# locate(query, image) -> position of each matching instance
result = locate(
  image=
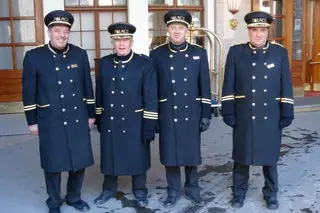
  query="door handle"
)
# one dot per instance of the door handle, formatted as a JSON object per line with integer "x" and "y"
{"x": 314, "y": 62}
{"x": 318, "y": 54}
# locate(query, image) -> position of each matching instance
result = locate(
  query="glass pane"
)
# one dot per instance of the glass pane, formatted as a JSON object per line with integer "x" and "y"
{"x": 86, "y": 2}
{"x": 196, "y": 18}
{"x": 6, "y": 58}
{"x": 76, "y": 23}
{"x": 20, "y": 51}
{"x": 23, "y": 7}
{"x": 75, "y": 38}
{"x": 87, "y": 21}
{"x": 105, "y": 20}
{"x": 91, "y": 56}
{"x": 278, "y": 28}
{"x": 156, "y": 20}
{"x": 105, "y": 2}
{"x": 24, "y": 31}
{"x": 88, "y": 40}
{"x": 189, "y": 2}
{"x": 4, "y": 8}
{"x": 112, "y": 2}
{"x": 5, "y": 32}
{"x": 71, "y": 2}
{"x": 105, "y": 40}
{"x": 119, "y": 2}
{"x": 265, "y": 6}
{"x": 277, "y": 7}
{"x": 297, "y": 30}
{"x": 120, "y": 17}
{"x": 160, "y": 2}
{"x": 105, "y": 52}
{"x": 157, "y": 29}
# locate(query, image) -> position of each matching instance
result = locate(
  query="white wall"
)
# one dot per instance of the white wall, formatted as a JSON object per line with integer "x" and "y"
{"x": 48, "y": 6}
{"x": 228, "y": 36}
{"x": 138, "y": 16}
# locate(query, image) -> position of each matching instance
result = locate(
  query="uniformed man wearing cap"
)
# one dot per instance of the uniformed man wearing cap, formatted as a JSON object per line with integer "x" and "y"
{"x": 257, "y": 102}
{"x": 184, "y": 106}
{"x": 59, "y": 105}
{"x": 126, "y": 108}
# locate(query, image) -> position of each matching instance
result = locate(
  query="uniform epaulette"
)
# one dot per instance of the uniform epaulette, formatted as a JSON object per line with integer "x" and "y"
{"x": 159, "y": 46}
{"x": 240, "y": 43}
{"x": 41, "y": 45}
{"x": 106, "y": 56}
{"x": 273, "y": 42}
{"x": 197, "y": 45}
{"x": 145, "y": 57}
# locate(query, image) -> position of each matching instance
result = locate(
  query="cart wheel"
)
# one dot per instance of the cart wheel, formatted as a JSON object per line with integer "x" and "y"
{"x": 216, "y": 112}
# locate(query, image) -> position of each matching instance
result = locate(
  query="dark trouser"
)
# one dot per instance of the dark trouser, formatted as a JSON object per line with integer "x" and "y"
{"x": 53, "y": 184}
{"x": 139, "y": 188}
{"x": 191, "y": 185}
{"x": 241, "y": 179}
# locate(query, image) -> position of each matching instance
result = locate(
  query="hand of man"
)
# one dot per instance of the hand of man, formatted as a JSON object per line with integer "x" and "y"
{"x": 158, "y": 128}
{"x": 149, "y": 137}
{"x": 230, "y": 120}
{"x": 91, "y": 122}
{"x": 34, "y": 129}
{"x": 204, "y": 124}
{"x": 284, "y": 122}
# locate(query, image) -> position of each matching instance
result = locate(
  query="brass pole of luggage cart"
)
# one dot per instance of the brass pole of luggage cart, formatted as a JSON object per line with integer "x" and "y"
{"x": 215, "y": 74}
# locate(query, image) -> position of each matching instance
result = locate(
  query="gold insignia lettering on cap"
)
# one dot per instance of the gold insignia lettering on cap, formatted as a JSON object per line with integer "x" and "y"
{"x": 64, "y": 19}
{"x": 177, "y": 18}
{"x": 121, "y": 31}
{"x": 259, "y": 20}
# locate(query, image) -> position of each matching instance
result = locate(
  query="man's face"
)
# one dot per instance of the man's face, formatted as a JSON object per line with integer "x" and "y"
{"x": 258, "y": 36}
{"x": 122, "y": 46}
{"x": 59, "y": 36}
{"x": 177, "y": 32}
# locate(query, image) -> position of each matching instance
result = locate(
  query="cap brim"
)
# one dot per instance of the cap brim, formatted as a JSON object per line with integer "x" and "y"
{"x": 177, "y": 21}
{"x": 59, "y": 22}
{"x": 258, "y": 25}
{"x": 118, "y": 36}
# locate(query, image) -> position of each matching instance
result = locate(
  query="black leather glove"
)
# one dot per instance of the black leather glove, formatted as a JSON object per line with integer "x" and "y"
{"x": 149, "y": 137}
{"x": 158, "y": 128}
{"x": 204, "y": 124}
{"x": 284, "y": 122}
{"x": 230, "y": 120}
{"x": 97, "y": 123}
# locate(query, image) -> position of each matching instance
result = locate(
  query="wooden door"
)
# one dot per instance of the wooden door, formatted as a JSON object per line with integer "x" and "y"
{"x": 21, "y": 29}
{"x": 313, "y": 64}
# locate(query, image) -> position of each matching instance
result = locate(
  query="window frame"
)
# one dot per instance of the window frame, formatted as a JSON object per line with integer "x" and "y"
{"x": 96, "y": 10}
{"x": 164, "y": 8}
{"x": 39, "y": 31}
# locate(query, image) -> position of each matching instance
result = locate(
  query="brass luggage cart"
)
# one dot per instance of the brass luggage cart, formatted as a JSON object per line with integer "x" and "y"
{"x": 215, "y": 63}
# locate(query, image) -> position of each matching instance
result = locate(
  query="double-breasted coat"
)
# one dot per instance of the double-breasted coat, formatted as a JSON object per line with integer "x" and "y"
{"x": 184, "y": 98}
{"x": 57, "y": 95}
{"x": 126, "y": 103}
{"x": 257, "y": 90}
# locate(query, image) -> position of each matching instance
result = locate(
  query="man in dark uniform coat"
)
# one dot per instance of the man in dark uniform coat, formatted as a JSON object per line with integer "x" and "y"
{"x": 59, "y": 105}
{"x": 257, "y": 103}
{"x": 126, "y": 108}
{"x": 184, "y": 106}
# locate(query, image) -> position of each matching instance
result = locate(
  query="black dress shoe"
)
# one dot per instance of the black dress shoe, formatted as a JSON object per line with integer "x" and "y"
{"x": 80, "y": 205}
{"x": 102, "y": 199}
{"x": 237, "y": 202}
{"x": 142, "y": 202}
{"x": 170, "y": 202}
{"x": 197, "y": 199}
{"x": 271, "y": 202}
{"x": 54, "y": 210}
